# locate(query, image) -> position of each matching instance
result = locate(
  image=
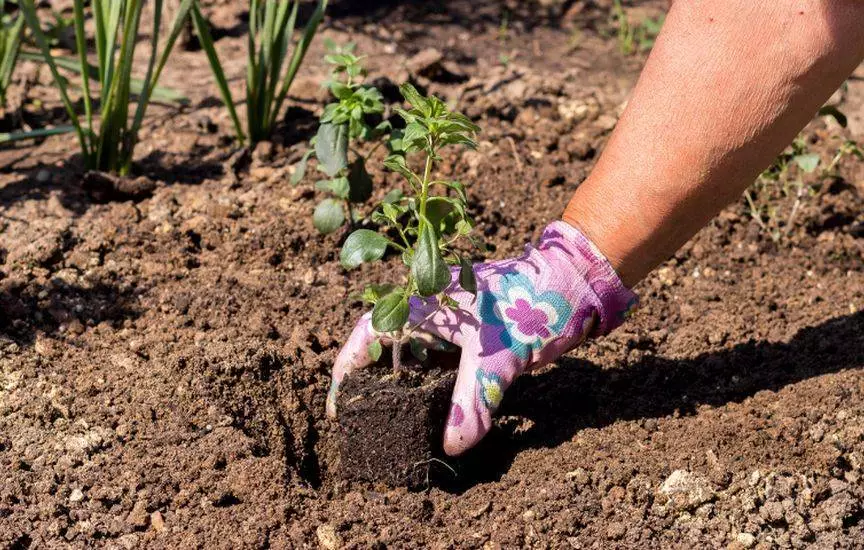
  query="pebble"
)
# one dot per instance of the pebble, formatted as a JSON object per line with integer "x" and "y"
{"x": 157, "y": 521}
{"x": 686, "y": 490}
{"x": 327, "y": 536}
{"x": 76, "y": 495}
{"x": 746, "y": 540}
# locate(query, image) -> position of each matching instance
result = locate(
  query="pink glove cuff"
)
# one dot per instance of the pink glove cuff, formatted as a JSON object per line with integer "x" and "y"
{"x": 615, "y": 303}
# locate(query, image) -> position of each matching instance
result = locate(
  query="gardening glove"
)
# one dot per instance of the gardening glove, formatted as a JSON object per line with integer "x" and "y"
{"x": 527, "y": 312}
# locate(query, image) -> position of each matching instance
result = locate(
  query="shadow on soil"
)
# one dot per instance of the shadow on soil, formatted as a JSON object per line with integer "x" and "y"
{"x": 578, "y": 394}
{"x": 26, "y": 311}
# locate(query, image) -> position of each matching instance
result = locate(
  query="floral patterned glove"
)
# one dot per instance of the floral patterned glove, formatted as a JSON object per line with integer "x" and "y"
{"x": 528, "y": 311}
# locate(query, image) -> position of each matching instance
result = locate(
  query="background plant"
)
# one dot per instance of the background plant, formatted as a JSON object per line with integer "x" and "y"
{"x": 11, "y": 31}
{"x": 117, "y": 24}
{"x": 423, "y": 226}
{"x": 268, "y": 77}
{"x": 776, "y": 197}
{"x": 344, "y": 125}
{"x": 634, "y": 37}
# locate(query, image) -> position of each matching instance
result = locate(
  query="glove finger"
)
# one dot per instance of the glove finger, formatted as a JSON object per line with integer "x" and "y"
{"x": 480, "y": 386}
{"x": 353, "y": 355}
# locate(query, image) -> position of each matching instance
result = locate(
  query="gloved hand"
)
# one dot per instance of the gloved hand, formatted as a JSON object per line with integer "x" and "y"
{"x": 528, "y": 311}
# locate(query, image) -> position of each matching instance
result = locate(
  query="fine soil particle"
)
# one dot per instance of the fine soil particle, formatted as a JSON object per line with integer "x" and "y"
{"x": 165, "y": 348}
{"x": 392, "y": 426}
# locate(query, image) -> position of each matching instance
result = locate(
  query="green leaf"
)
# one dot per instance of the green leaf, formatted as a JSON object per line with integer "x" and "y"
{"x": 429, "y": 268}
{"x": 437, "y": 211}
{"x": 340, "y": 91}
{"x": 338, "y": 186}
{"x": 808, "y": 162}
{"x": 398, "y": 164}
{"x": 360, "y": 182}
{"x": 391, "y": 312}
{"x": 363, "y": 245}
{"x": 416, "y": 100}
{"x": 328, "y": 216}
{"x": 467, "y": 280}
{"x": 372, "y": 293}
{"x": 331, "y": 147}
{"x": 300, "y": 168}
{"x": 374, "y": 350}
{"x": 415, "y": 135}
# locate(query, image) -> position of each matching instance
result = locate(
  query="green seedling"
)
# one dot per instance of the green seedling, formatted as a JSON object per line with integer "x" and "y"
{"x": 111, "y": 146}
{"x": 344, "y": 125}
{"x": 423, "y": 226}
{"x": 634, "y": 38}
{"x": 11, "y": 31}
{"x": 775, "y": 199}
{"x": 270, "y": 70}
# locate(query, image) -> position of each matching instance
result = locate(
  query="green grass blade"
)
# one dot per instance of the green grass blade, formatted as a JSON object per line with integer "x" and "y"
{"x": 99, "y": 23}
{"x": 144, "y": 98}
{"x": 28, "y": 9}
{"x": 81, "y": 46}
{"x": 11, "y": 49}
{"x": 284, "y": 32}
{"x": 202, "y": 29}
{"x": 297, "y": 58}
{"x": 112, "y": 25}
{"x": 33, "y": 134}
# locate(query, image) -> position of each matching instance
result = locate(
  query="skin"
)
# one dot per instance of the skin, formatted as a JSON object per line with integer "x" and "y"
{"x": 728, "y": 85}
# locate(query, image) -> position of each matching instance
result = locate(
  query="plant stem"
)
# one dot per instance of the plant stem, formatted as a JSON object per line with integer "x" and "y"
{"x": 397, "y": 354}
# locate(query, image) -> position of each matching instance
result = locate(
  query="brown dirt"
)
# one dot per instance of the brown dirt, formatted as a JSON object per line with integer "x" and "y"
{"x": 165, "y": 356}
{"x": 391, "y": 425}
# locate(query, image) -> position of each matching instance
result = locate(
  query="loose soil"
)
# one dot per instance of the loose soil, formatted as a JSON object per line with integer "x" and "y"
{"x": 166, "y": 343}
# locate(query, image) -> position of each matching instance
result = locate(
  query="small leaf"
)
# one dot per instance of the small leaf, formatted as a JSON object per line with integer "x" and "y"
{"x": 429, "y": 269}
{"x": 338, "y": 186}
{"x": 374, "y": 350}
{"x": 467, "y": 280}
{"x": 340, "y": 91}
{"x": 372, "y": 293}
{"x": 415, "y": 135}
{"x": 360, "y": 182}
{"x": 393, "y": 196}
{"x": 300, "y": 168}
{"x": 329, "y": 216}
{"x": 391, "y": 312}
{"x": 437, "y": 211}
{"x": 416, "y": 100}
{"x": 331, "y": 147}
{"x": 363, "y": 245}
{"x": 397, "y": 164}
{"x": 808, "y": 162}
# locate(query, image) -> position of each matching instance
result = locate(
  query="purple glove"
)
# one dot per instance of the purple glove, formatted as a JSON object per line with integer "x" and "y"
{"x": 528, "y": 312}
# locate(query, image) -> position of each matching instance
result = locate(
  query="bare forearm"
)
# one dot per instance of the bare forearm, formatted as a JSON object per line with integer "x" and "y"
{"x": 728, "y": 85}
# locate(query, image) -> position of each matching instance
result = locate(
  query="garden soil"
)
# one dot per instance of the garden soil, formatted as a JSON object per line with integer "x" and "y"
{"x": 166, "y": 341}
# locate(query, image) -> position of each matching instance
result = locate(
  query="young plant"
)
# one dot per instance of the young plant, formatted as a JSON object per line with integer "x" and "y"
{"x": 343, "y": 126}
{"x": 424, "y": 225}
{"x": 268, "y": 77}
{"x": 778, "y": 194}
{"x": 633, "y": 38}
{"x": 111, "y": 147}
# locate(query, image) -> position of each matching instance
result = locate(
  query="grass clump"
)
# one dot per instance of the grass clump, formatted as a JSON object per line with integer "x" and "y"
{"x": 111, "y": 146}
{"x": 270, "y": 68}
